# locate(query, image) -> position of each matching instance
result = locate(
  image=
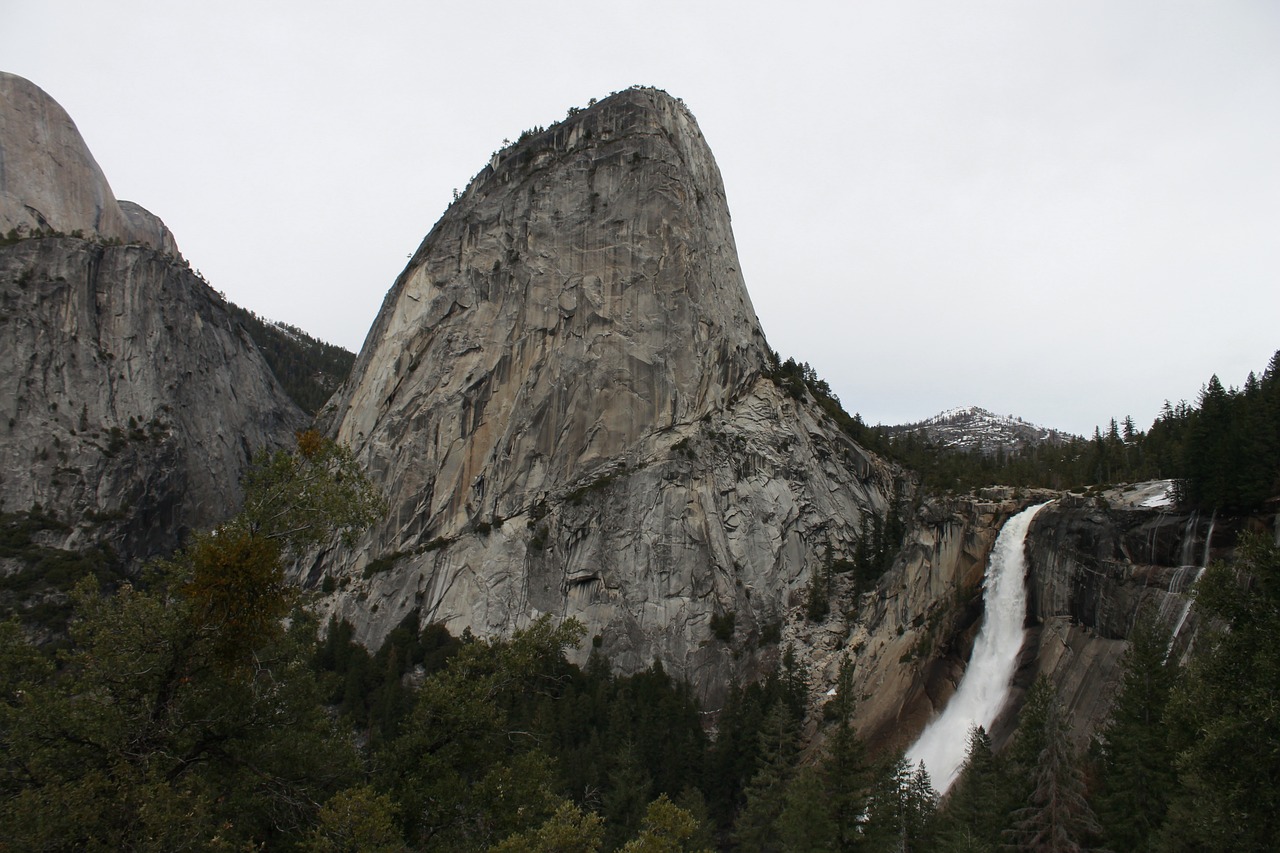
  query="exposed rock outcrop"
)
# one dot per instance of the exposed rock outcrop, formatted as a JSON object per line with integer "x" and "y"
{"x": 909, "y": 639}
{"x": 131, "y": 397}
{"x": 133, "y": 401}
{"x": 1093, "y": 567}
{"x": 49, "y": 181}
{"x": 566, "y": 397}
{"x": 1093, "y": 564}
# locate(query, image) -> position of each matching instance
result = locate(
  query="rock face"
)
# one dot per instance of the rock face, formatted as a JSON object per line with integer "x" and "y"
{"x": 908, "y": 640}
{"x": 566, "y": 399}
{"x": 1093, "y": 567}
{"x": 1093, "y": 564}
{"x": 133, "y": 401}
{"x": 130, "y": 396}
{"x": 50, "y": 181}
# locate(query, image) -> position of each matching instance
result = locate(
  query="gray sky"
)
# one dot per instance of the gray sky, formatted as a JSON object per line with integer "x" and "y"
{"x": 1063, "y": 211}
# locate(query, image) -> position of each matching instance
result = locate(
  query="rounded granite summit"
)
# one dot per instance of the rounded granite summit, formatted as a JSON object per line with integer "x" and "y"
{"x": 49, "y": 181}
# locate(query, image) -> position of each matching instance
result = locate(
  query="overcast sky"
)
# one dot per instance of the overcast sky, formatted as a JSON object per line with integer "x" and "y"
{"x": 1066, "y": 211}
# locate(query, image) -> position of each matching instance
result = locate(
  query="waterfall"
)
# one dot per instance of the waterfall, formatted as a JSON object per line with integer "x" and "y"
{"x": 985, "y": 686}
{"x": 1189, "y": 540}
{"x": 1153, "y": 539}
{"x": 1186, "y": 565}
{"x": 1208, "y": 540}
{"x": 1186, "y": 600}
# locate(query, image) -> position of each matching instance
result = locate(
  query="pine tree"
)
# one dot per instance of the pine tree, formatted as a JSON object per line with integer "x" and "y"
{"x": 846, "y": 772}
{"x": 756, "y": 828}
{"x": 1223, "y": 711}
{"x": 1058, "y": 818}
{"x": 974, "y": 812}
{"x": 1136, "y": 767}
{"x": 184, "y": 713}
{"x": 900, "y": 810}
{"x": 627, "y": 797}
{"x": 806, "y": 825}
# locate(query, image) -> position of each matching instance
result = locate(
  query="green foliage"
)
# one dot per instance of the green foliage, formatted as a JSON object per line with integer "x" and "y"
{"x": 463, "y": 766}
{"x": 1225, "y": 452}
{"x": 568, "y": 830}
{"x": 308, "y": 369}
{"x": 1135, "y": 761}
{"x": 1223, "y": 711}
{"x": 805, "y": 824}
{"x": 356, "y": 820}
{"x": 734, "y": 757}
{"x": 1057, "y": 816}
{"x": 667, "y": 828}
{"x": 900, "y": 815}
{"x": 182, "y": 712}
{"x": 757, "y": 825}
{"x": 1230, "y": 453}
{"x": 846, "y": 771}
{"x": 722, "y": 625}
{"x": 817, "y": 599}
{"x": 234, "y": 585}
{"x": 974, "y": 815}
{"x": 771, "y": 632}
{"x": 369, "y": 691}
{"x": 383, "y": 564}
{"x": 142, "y": 735}
{"x": 302, "y": 500}
{"x": 1187, "y": 759}
{"x": 37, "y": 587}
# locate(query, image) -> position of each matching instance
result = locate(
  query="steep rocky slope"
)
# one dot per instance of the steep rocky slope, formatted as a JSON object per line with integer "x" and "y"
{"x": 132, "y": 400}
{"x": 570, "y": 404}
{"x": 1093, "y": 565}
{"x": 566, "y": 398}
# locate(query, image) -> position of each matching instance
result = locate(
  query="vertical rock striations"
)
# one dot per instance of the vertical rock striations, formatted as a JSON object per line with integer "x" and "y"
{"x": 566, "y": 399}
{"x": 132, "y": 400}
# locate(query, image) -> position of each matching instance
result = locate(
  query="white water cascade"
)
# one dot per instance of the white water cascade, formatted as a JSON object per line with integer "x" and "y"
{"x": 1176, "y": 585}
{"x": 984, "y": 688}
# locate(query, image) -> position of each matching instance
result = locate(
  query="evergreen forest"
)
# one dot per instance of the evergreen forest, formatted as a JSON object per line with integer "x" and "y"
{"x": 192, "y": 706}
{"x": 184, "y": 711}
{"x": 1223, "y": 452}
{"x": 308, "y": 369}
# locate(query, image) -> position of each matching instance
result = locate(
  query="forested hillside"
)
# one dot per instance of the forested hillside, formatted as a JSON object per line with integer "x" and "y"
{"x": 181, "y": 710}
{"x": 184, "y": 712}
{"x": 1224, "y": 451}
{"x": 308, "y": 369}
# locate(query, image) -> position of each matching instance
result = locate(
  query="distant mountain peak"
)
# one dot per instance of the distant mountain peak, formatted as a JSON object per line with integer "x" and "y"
{"x": 976, "y": 428}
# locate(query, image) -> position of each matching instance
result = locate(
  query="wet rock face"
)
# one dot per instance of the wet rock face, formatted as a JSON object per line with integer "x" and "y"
{"x": 50, "y": 181}
{"x": 132, "y": 402}
{"x": 564, "y": 398}
{"x": 1091, "y": 570}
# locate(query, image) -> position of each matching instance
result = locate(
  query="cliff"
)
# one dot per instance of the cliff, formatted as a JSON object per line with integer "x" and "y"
{"x": 1093, "y": 565}
{"x": 133, "y": 402}
{"x": 566, "y": 398}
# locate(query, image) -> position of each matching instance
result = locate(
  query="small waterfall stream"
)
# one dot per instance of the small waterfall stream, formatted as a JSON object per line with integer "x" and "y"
{"x": 984, "y": 688}
{"x": 1188, "y": 549}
